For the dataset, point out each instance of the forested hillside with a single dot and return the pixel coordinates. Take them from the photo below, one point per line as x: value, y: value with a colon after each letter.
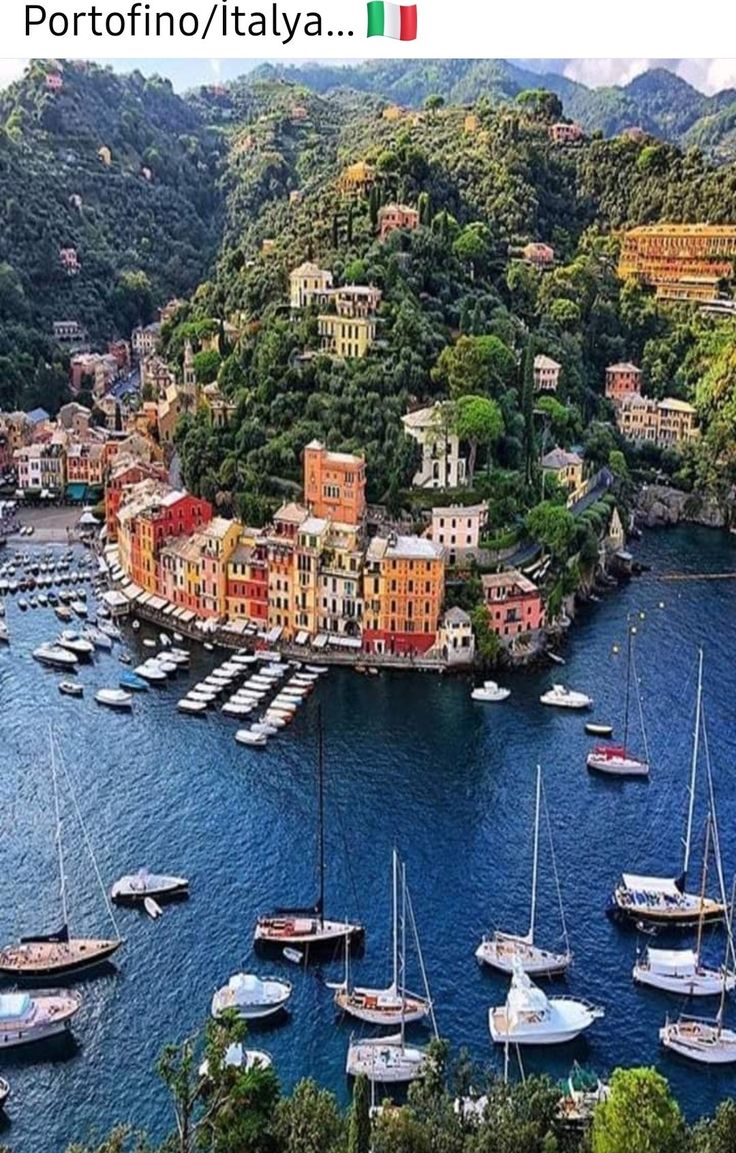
x: 145, y: 226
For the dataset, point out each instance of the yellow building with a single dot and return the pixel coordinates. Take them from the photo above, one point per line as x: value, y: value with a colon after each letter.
x: 681, y: 261
x: 308, y: 283
x: 565, y: 467
x: 393, y: 113
x: 218, y: 541
x: 667, y: 423
x: 472, y: 123
x: 347, y: 337
x: 310, y: 543
x: 358, y: 179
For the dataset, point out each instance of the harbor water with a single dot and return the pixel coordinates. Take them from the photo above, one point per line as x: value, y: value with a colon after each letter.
x: 409, y: 761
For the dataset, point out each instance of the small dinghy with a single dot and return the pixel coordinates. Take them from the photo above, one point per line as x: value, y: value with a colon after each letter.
x: 149, y: 643
x: 165, y: 640
x: 210, y: 648
x: 255, y: 740
x: 154, y: 911
x: 136, y: 625
x: 293, y: 955
x: 596, y: 730
x: 196, y: 708
x: 490, y: 693
x: 136, y: 887
x: 178, y: 638
x: 114, y: 698
x: 133, y: 682
x: 71, y: 689
x: 236, y: 1057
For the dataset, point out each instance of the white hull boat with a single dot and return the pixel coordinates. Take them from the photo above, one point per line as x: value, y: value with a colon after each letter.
x: 99, y: 639
x: 703, y: 1041
x: 252, y: 998
x: 529, y: 1017
x: 302, y: 929
x: 561, y: 698
x: 114, y: 698
x: 151, y: 673
x: 237, y: 1057
x: 502, y: 951
x: 55, y: 657
x: 490, y: 693
x: 253, y: 740
x: 80, y: 646
x: 386, y: 1060
x: 138, y: 886
x: 678, y: 971
x: 615, y: 761
x: 25, y: 1019
x: 194, y: 707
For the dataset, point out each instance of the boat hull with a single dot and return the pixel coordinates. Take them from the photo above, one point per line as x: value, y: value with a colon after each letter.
x: 387, y: 1063
x: 664, y: 916
x: 563, y: 1026
x: 39, y: 960
x: 703, y: 983
x: 612, y: 765
x: 502, y: 954
x: 377, y: 1007
x: 700, y: 1042
x: 279, y: 931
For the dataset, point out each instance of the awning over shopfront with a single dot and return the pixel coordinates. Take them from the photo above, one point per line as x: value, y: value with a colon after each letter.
x: 157, y: 604
x: 301, y: 638
x: 76, y: 492
x: 340, y: 642
x: 320, y: 641
x: 273, y: 634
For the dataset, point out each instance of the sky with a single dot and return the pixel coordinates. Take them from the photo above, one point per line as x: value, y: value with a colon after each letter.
x: 709, y: 75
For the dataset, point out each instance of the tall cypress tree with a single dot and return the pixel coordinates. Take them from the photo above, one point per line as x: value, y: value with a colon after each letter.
x: 527, y: 407
x: 359, y: 1129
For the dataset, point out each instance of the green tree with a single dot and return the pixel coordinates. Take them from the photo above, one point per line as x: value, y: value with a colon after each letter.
x: 640, y: 1116
x: 479, y: 421
x: 359, y: 1125
x: 488, y: 645
x: 476, y: 365
x: 309, y: 1121
x: 552, y: 526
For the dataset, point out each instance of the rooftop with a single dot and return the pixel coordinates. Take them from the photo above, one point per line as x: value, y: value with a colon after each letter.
x: 673, y: 405
x: 291, y: 513
x: 218, y: 528
x: 457, y: 510
x: 560, y: 458
x: 404, y: 548
x: 624, y: 366
x: 423, y: 417
x: 512, y: 577
x: 543, y: 361
x: 314, y: 526
x: 456, y: 616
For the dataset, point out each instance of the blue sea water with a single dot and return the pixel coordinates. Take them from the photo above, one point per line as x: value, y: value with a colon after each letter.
x: 409, y: 761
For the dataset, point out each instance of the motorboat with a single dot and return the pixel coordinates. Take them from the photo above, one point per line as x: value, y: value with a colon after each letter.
x: 149, y: 643
x: 233, y: 709
x: 76, y: 644
x: 185, y: 705
x: 238, y: 1057
x: 582, y: 1093
x: 386, y: 1060
x: 251, y: 997
x: 706, y: 1042
x: 136, y: 887
x: 271, y: 721
x: 79, y: 607
x: 71, y: 688
x: 114, y: 698
x: 265, y: 729
x: 680, y: 971
x: 164, y: 640
x: 166, y: 666
x: 254, y: 740
x: 395, y: 1004
x: 150, y: 671
x: 505, y: 951
x: 201, y: 698
x: 22, y: 604
x: 490, y: 693
x: 563, y: 698
x: 64, y: 613
x: 530, y: 1017
x: 55, y: 657
x: 99, y: 639
x: 132, y: 682
x: 25, y: 1018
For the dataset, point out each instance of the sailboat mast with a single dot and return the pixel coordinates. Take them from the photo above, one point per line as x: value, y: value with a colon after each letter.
x: 535, y: 860
x: 321, y: 831
x: 693, y: 770
x: 59, y: 845
x: 630, y: 641
x: 703, y: 883
x: 395, y: 919
x: 402, y: 971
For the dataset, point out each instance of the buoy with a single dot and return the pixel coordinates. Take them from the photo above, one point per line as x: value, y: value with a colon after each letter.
x: 661, y: 604
x: 616, y: 649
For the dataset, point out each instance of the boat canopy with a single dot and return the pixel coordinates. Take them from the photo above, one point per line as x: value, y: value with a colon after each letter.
x: 248, y: 989
x: 524, y: 997
x: 664, y: 885
x: 673, y: 962
x: 14, y: 1006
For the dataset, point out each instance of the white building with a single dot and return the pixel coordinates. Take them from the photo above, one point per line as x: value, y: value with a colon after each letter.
x: 442, y: 466
x: 546, y: 374
x: 455, y: 639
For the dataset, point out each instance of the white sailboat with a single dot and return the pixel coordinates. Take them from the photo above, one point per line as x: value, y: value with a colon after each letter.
x: 663, y: 901
x: 391, y: 1005
x: 681, y: 971
x: 530, y: 1017
x: 389, y: 1060
x: 618, y: 760
x: 59, y: 954
x: 306, y: 927
x: 503, y: 951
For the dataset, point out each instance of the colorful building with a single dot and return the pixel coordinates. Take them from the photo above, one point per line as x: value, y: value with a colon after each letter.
x: 681, y: 261
x: 403, y: 589
x: 622, y: 380
x: 565, y: 467
x: 392, y: 217
x: 124, y: 474
x: 358, y: 179
x: 442, y: 466
x: 247, y: 580
x: 146, y: 340
x: 514, y: 604
x: 219, y: 539
x: 334, y: 484
x: 150, y: 516
x: 668, y: 423
x: 546, y: 374
x: 458, y: 529
x: 280, y: 542
x: 539, y: 255
x: 565, y: 132
x: 340, y: 595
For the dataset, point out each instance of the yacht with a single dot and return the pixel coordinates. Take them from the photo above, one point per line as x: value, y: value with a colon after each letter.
x: 562, y: 698
x: 490, y: 693
x: 386, y: 1060
x: 706, y: 1042
x: 680, y: 971
x: 150, y: 671
x: 99, y: 639
x: 55, y: 657
x: 137, y: 886
x: 25, y: 1018
x: 530, y: 1017
x: 72, y: 641
x: 251, y: 997
x: 114, y: 698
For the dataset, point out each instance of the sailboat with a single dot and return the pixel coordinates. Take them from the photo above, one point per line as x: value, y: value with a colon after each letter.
x: 391, y: 1005
x: 389, y: 1060
x: 618, y: 760
x: 308, y: 927
x: 59, y: 954
x: 663, y: 901
x: 503, y: 951
x: 681, y: 970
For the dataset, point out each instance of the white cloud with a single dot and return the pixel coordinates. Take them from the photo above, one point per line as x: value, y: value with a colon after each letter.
x: 10, y: 70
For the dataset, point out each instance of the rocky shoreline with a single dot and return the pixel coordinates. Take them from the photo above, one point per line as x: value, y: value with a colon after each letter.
x: 659, y: 505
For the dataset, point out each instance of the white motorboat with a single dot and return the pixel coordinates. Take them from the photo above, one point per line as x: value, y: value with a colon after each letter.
x: 149, y: 643
x: 4, y: 1092
x: 251, y: 997
x: 301, y: 927
x: 79, y: 607
x: 199, y: 696
x: 664, y: 901
x: 25, y: 1018
x: 114, y: 698
x: 137, y: 886
x: 238, y: 1057
x: 63, y: 613
x: 679, y: 971
x: 109, y: 629
x: 562, y: 698
x: 706, y: 1042
x: 530, y: 1017
x: 262, y: 727
x: 164, y: 640
x: 189, y: 706
x: 99, y: 639
x: 76, y: 644
x: 320, y: 670
x: 55, y: 657
x: 396, y: 1004
x: 505, y: 951
x: 71, y: 689
x: 490, y: 693
x: 386, y: 1060
x: 166, y: 666
x: 151, y: 672
x: 272, y: 721
x: 233, y: 709
x: 255, y: 740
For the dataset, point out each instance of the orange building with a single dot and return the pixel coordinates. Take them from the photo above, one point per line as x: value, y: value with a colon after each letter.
x: 565, y: 132
x: 247, y: 579
x: 151, y: 515
x: 280, y: 543
x: 334, y: 484
x: 403, y: 587
x: 681, y: 261
x: 395, y: 216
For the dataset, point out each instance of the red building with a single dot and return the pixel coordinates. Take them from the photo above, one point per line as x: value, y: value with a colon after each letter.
x: 514, y: 604
x: 247, y: 582
x: 622, y: 380
x: 394, y: 216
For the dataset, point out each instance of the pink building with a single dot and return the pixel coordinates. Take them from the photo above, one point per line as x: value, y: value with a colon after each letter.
x: 565, y: 133
x: 54, y: 82
x: 539, y: 255
x: 514, y: 604
x: 394, y: 216
x: 622, y: 380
